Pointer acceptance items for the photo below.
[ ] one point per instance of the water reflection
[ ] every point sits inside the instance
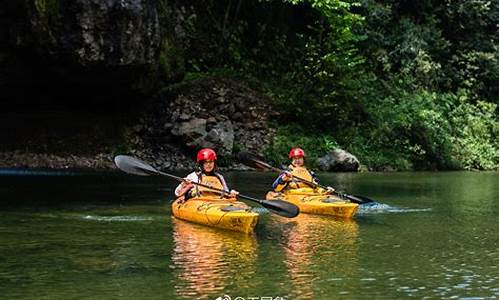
(112, 238)
(319, 247)
(210, 260)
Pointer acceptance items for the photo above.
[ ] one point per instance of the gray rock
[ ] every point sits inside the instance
(167, 164)
(192, 129)
(184, 117)
(174, 116)
(194, 134)
(240, 104)
(221, 136)
(209, 125)
(220, 117)
(231, 109)
(237, 116)
(338, 160)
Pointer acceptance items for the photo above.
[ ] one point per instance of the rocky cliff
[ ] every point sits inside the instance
(84, 80)
(94, 47)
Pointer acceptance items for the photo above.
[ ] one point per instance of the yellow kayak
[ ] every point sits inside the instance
(217, 212)
(317, 202)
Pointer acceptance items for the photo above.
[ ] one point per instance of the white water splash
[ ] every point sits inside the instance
(260, 210)
(375, 208)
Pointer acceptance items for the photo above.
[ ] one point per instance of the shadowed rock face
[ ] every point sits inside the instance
(89, 32)
(124, 46)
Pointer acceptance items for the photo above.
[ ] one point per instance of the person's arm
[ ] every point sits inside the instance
(232, 193)
(281, 182)
(186, 185)
(178, 189)
(329, 189)
(223, 182)
(315, 178)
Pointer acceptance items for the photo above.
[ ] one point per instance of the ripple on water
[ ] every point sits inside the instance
(117, 218)
(334, 279)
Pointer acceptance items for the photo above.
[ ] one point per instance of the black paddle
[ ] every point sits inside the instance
(252, 160)
(135, 166)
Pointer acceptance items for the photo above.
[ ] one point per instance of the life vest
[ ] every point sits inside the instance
(210, 180)
(302, 173)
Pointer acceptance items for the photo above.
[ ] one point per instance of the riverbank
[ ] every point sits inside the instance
(166, 130)
(18, 159)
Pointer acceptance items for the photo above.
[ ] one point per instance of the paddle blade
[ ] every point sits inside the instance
(282, 208)
(365, 199)
(358, 199)
(134, 166)
(253, 161)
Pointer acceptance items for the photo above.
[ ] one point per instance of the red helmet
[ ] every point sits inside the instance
(296, 152)
(206, 154)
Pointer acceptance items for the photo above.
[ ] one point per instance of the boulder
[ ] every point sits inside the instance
(191, 129)
(338, 160)
(195, 134)
(222, 137)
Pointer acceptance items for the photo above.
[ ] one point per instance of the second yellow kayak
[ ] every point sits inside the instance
(318, 202)
(216, 212)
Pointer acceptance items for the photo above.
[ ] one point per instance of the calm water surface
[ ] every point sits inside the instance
(434, 236)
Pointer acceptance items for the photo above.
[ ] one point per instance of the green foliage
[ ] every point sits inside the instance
(47, 8)
(435, 66)
(475, 135)
(440, 46)
(400, 84)
(329, 71)
(290, 136)
(423, 130)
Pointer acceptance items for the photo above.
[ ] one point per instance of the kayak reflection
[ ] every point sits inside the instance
(208, 260)
(319, 247)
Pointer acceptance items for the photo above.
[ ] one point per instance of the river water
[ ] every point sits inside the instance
(108, 235)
